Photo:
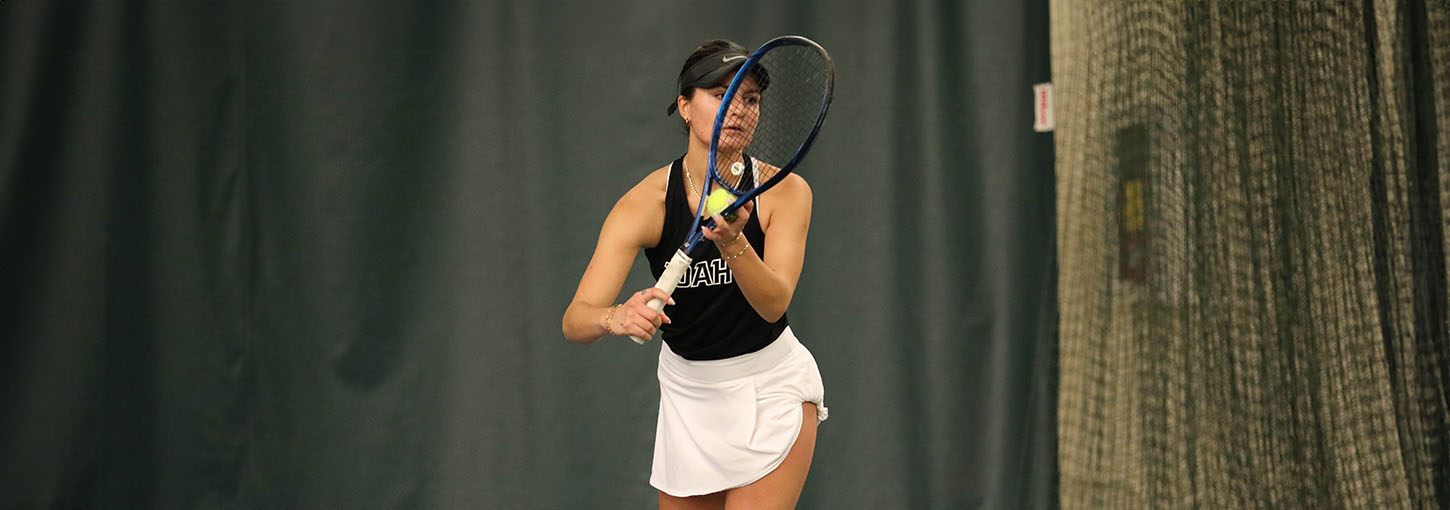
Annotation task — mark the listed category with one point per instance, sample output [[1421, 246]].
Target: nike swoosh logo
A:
[[727, 59]]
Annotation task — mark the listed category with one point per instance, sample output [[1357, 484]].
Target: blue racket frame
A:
[[723, 112], [682, 258]]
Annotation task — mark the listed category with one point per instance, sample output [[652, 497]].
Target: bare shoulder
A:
[[639, 215], [794, 186], [792, 190], [790, 198], [650, 191]]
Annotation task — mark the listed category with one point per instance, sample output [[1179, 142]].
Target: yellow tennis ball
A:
[[718, 201]]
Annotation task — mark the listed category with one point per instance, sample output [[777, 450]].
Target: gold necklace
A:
[[691, 180]]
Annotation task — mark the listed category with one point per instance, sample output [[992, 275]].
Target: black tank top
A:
[[711, 318]]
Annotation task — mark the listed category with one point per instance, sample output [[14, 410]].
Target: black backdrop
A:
[[314, 255]]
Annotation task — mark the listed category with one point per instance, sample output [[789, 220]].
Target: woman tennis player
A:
[[740, 397]]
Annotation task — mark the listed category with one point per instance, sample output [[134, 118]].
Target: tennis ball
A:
[[718, 201]]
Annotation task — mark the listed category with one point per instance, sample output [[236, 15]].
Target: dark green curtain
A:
[[314, 255]]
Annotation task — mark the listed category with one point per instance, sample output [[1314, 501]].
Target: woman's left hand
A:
[[728, 233]]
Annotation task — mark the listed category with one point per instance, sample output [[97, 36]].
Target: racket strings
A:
[[771, 116]]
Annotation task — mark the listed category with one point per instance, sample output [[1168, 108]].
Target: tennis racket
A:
[[767, 121]]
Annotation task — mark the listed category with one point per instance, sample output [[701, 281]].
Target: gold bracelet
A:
[[733, 240], [609, 319], [739, 253]]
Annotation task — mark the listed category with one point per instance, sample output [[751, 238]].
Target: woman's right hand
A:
[[636, 318]]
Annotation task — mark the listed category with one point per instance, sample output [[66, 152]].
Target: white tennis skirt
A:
[[727, 423]]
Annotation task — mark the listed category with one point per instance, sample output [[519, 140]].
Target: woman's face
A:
[[739, 125]]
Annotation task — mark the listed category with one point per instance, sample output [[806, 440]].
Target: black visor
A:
[[709, 72]]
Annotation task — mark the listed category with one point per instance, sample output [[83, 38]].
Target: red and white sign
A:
[[1042, 121]]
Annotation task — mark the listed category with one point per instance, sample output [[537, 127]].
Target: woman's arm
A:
[[769, 280], [632, 225]]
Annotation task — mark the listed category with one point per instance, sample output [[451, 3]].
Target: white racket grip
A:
[[668, 280]]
